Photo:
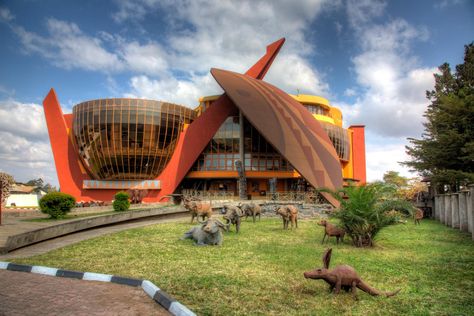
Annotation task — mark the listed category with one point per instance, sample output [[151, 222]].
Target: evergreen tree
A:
[[445, 152]]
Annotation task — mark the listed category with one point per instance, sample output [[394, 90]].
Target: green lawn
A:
[[260, 270]]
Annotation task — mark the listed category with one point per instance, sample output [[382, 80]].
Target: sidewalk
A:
[[16, 225], [33, 294]]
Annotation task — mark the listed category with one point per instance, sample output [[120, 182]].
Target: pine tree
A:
[[445, 152]]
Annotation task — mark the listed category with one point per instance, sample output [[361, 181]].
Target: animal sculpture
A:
[[198, 208], [343, 276], [232, 215], [418, 216], [251, 209], [288, 213], [332, 231], [207, 233]]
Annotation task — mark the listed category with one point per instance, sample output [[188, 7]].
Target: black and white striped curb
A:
[[158, 295]]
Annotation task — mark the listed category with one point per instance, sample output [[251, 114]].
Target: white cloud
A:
[[382, 157], [361, 12], [6, 15], [149, 58], [68, 47], [229, 35], [183, 92], [446, 3], [350, 92], [393, 98], [391, 88], [25, 151]]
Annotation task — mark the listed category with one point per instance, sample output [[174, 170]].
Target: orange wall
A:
[[358, 153]]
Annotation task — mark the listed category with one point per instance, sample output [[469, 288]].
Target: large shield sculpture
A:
[[288, 126]]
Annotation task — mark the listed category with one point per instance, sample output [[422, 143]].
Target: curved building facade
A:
[[127, 139], [107, 145]]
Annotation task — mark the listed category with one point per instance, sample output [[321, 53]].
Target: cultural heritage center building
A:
[[254, 134]]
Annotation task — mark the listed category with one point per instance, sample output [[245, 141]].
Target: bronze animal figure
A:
[[418, 216], [251, 209], [343, 276], [198, 208], [232, 215], [207, 233], [332, 231], [288, 213]]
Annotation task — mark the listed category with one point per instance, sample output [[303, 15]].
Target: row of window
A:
[[125, 139], [223, 150]]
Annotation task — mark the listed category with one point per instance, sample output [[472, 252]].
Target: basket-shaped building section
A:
[[127, 139]]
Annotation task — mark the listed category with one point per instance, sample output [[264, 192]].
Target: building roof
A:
[[288, 126], [22, 188]]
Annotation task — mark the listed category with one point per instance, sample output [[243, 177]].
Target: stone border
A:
[[158, 295]]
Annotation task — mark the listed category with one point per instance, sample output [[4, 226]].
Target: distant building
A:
[[279, 141], [22, 195]]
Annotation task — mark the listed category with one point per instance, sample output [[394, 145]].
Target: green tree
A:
[[394, 178], [445, 152], [41, 185], [6, 183]]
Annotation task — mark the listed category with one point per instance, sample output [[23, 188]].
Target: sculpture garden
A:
[[260, 269]]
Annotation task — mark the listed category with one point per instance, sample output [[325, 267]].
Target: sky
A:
[[373, 59]]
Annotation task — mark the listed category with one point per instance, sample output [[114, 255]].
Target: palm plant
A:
[[366, 209]]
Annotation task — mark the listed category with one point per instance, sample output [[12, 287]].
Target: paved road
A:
[[27, 294]]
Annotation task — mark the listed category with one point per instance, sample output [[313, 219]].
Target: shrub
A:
[[56, 204], [6, 181], [121, 202], [365, 210]]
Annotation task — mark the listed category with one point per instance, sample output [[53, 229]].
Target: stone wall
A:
[[456, 210]]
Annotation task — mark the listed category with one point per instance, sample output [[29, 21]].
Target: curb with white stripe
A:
[[158, 295]]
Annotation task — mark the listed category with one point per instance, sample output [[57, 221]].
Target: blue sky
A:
[[373, 59]]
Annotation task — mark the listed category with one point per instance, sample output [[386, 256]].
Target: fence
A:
[[310, 197], [456, 210]]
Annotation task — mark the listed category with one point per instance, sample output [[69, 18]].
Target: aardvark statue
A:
[[343, 276]]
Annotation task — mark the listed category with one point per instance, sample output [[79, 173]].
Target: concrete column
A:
[[442, 211], [455, 210], [463, 223], [470, 209], [447, 208]]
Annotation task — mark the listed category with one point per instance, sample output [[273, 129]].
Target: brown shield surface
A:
[[288, 126]]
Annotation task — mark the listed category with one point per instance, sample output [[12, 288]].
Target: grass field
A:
[[260, 270]]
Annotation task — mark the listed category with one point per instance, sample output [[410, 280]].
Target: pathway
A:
[[34, 294]]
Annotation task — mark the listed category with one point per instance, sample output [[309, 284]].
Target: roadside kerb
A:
[[154, 292]]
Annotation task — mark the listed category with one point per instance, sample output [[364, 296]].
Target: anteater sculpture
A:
[[330, 230], [343, 276]]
